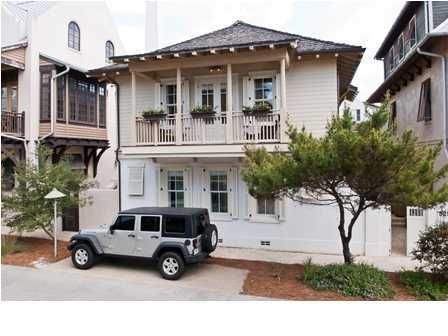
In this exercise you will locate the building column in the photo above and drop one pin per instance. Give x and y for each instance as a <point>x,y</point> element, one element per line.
<point>134,107</point>
<point>283,108</point>
<point>178,107</point>
<point>229,101</point>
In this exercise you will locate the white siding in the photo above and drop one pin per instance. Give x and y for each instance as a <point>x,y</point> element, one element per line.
<point>311,94</point>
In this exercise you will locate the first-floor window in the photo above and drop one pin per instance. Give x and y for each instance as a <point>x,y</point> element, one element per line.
<point>424,106</point>
<point>218,191</point>
<point>266,206</point>
<point>176,189</point>
<point>358,115</point>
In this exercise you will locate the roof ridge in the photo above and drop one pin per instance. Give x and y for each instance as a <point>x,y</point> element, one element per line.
<point>327,41</point>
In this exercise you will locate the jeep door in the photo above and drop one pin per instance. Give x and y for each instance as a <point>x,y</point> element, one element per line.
<point>122,236</point>
<point>148,235</point>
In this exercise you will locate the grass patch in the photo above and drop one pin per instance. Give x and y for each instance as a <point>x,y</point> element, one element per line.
<point>350,280</point>
<point>10,245</point>
<point>423,287</point>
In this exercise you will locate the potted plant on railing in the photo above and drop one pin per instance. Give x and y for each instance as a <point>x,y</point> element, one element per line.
<point>153,114</point>
<point>258,108</point>
<point>202,111</point>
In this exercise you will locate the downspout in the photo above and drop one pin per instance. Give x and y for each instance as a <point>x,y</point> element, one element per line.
<point>444,95</point>
<point>52,119</point>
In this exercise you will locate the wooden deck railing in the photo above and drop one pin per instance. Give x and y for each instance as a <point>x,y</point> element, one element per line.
<point>13,123</point>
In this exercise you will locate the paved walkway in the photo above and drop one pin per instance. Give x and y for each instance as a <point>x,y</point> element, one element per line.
<point>390,264</point>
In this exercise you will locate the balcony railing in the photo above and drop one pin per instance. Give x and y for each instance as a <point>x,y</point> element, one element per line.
<point>13,123</point>
<point>263,128</point>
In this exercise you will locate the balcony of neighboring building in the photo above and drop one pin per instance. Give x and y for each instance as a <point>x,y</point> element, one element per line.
<point>12,120</point>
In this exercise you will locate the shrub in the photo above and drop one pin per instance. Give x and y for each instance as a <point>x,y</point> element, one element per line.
<point>423,287</point>
<point>258,108</point>
<point>203,109</point>
<point>348,279</point>
<point>10,245</point>
<point>432,249</point>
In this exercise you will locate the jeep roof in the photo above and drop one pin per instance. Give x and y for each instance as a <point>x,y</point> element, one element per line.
<point>163,211</point>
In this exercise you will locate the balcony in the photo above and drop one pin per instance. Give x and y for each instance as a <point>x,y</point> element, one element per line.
<point>241,129</point>
<point>13,123</point>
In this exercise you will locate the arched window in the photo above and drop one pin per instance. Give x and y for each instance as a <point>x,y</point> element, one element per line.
<point>74,36</point>
<point>110,51</point>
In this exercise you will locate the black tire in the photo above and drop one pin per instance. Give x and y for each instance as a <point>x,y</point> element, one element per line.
<point>209,244</point>
<point>91,256</point>
<point>165,272</point>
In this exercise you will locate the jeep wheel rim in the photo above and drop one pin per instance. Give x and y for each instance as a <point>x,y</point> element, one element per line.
<point>170,266</point>
<point>81,256</point>
<point>214,238</point>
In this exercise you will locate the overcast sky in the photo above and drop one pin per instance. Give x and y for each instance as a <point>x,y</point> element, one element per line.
<point>355,22</point>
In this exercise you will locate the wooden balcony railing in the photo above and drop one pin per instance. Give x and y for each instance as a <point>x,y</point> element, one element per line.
<point>13,123</point>
<point>263,128</point>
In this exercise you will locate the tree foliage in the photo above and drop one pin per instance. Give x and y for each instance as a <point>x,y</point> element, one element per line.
<point>26,209</point>
<point>354,166</point>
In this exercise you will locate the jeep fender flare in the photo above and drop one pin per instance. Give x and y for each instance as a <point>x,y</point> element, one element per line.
<point>171,246</point>
<point>91,239</point>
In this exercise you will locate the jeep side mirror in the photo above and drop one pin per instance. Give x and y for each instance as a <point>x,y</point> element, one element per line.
<point>111,229</point>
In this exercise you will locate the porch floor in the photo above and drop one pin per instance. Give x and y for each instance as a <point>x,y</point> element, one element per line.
<point>389,263</point>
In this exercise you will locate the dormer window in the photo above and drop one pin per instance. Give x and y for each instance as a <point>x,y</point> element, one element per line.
<point>110,51</point>
<point>74,36</point>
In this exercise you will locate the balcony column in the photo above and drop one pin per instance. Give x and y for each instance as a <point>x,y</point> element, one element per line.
<point>283,109</point>
<point>229,115</point>
<point>134,107</point>
<point>178,107</point>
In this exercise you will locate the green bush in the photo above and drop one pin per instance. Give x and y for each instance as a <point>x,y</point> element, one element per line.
<point>423,287</point>
<point>348,279</point>
<point>432,249</point>
<point>10,245</point>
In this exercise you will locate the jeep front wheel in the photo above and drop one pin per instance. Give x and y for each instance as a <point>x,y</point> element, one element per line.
<point>82,256</point>
<point>171,265</point>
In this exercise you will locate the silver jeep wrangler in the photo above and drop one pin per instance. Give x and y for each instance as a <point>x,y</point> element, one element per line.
<point>171,236</point>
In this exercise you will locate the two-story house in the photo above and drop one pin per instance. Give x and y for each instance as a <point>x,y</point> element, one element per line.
<point>186,112</point>
<point>414,54</point>
<point>47,98</point>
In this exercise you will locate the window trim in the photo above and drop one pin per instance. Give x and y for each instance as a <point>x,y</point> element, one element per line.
<point>227,191</point>
<point>140,180</point>
<point>72,45</point>
<point>176,191</point>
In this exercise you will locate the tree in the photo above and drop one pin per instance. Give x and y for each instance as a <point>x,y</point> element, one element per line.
<point>26,209</point>
<point>355,166</point>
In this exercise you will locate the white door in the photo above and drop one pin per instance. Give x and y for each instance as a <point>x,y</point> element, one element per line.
<point>122,236</point>
<point>148,235</point>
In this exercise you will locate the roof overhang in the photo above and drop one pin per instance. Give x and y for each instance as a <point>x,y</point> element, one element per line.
<point>61,63</point>
<point>56,142</point>
<point>10,64</point>
<point>410,67</point>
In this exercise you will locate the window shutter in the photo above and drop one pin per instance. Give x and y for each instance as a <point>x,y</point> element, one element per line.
<point>187,187</point>
<point>157,101</point>
<point>248,91</point>
<point>277,97</point>
<point>233,193</point>
<point>135,181</point>
<point>280,209</point>
<point>162,96</point>
<point>186,96</point>
<point>205,201</point>
<point>163,186</point>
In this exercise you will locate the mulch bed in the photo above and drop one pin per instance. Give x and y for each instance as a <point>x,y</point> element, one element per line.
<point>35,249</point>
<point>281,281</point>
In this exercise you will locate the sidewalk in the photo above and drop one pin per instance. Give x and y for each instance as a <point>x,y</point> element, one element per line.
<point>389,264</point>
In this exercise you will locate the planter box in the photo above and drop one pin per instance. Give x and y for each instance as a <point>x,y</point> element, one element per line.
<point>155,117</point>
<point>203,114</point>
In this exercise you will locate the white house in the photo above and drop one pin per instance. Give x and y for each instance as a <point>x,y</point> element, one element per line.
<point>47,98</point>
<point>183,124</point>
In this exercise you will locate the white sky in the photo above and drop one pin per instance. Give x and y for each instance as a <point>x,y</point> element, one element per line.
<point>355,22</point>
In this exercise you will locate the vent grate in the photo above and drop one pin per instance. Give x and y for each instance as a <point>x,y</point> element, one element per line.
<point>220,241</point>
<point>265,243</point>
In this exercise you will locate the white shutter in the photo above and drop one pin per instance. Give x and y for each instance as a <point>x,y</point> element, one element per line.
<point>157,102</point>
<point>135,181</point>
<point>197,91</point>
<point>163,186</point>
<point>162,97</point>
<point>186,96</point>
<point>187,187</point>
<point>233,192</point>
<point>205,192</point>
<point>235,94</point>
<point>248,91</point>
<point>280,209</point>
<point>277,97</point>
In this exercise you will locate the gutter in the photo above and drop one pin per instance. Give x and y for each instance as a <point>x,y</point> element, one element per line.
<point>18,139</point>
<point>444,95</point>
<point>52,119</point>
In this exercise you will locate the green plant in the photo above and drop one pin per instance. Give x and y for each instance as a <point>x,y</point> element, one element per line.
<point>153,113</point>
<point>10,245</point>
<point>348,279</point>
<point>423,287</point>
<point>353,166</point>
<point>202,109</point>
<point>26,208</point>
<point>258,108</point>
<point>432,249</point>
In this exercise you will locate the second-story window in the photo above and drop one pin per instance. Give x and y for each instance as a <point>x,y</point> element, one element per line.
<point>74,36</point>
<point>424,106</point>
<point>61,98</point>
<point>264,90</point>
<point>82,101</point>
<point>171,99</point>
<point>45,96</point>
<point>110,51</point>
<point>207,95</point>
<point>102,105</point>
<point>412,33</point>
<point>223,97</point>
<point>401,46</point>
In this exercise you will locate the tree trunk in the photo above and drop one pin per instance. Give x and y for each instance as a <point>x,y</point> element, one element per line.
<point>348,259</point>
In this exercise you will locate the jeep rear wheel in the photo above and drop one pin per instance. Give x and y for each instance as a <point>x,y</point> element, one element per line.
<point>82,256</point>
<point>171,266</point>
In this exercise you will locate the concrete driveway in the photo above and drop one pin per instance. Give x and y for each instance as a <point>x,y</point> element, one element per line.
<point>120,280</point>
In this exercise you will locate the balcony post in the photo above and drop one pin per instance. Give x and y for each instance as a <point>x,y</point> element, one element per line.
<point>229,112</point>
<point>134,107</point>
<point>178,107</point>
<point>283,109</point>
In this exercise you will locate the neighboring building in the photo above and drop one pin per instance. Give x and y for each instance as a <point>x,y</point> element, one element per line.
<point>184,158</point>
<point>47,98</point>
<point>415,53</point>
<point>357,108</point>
